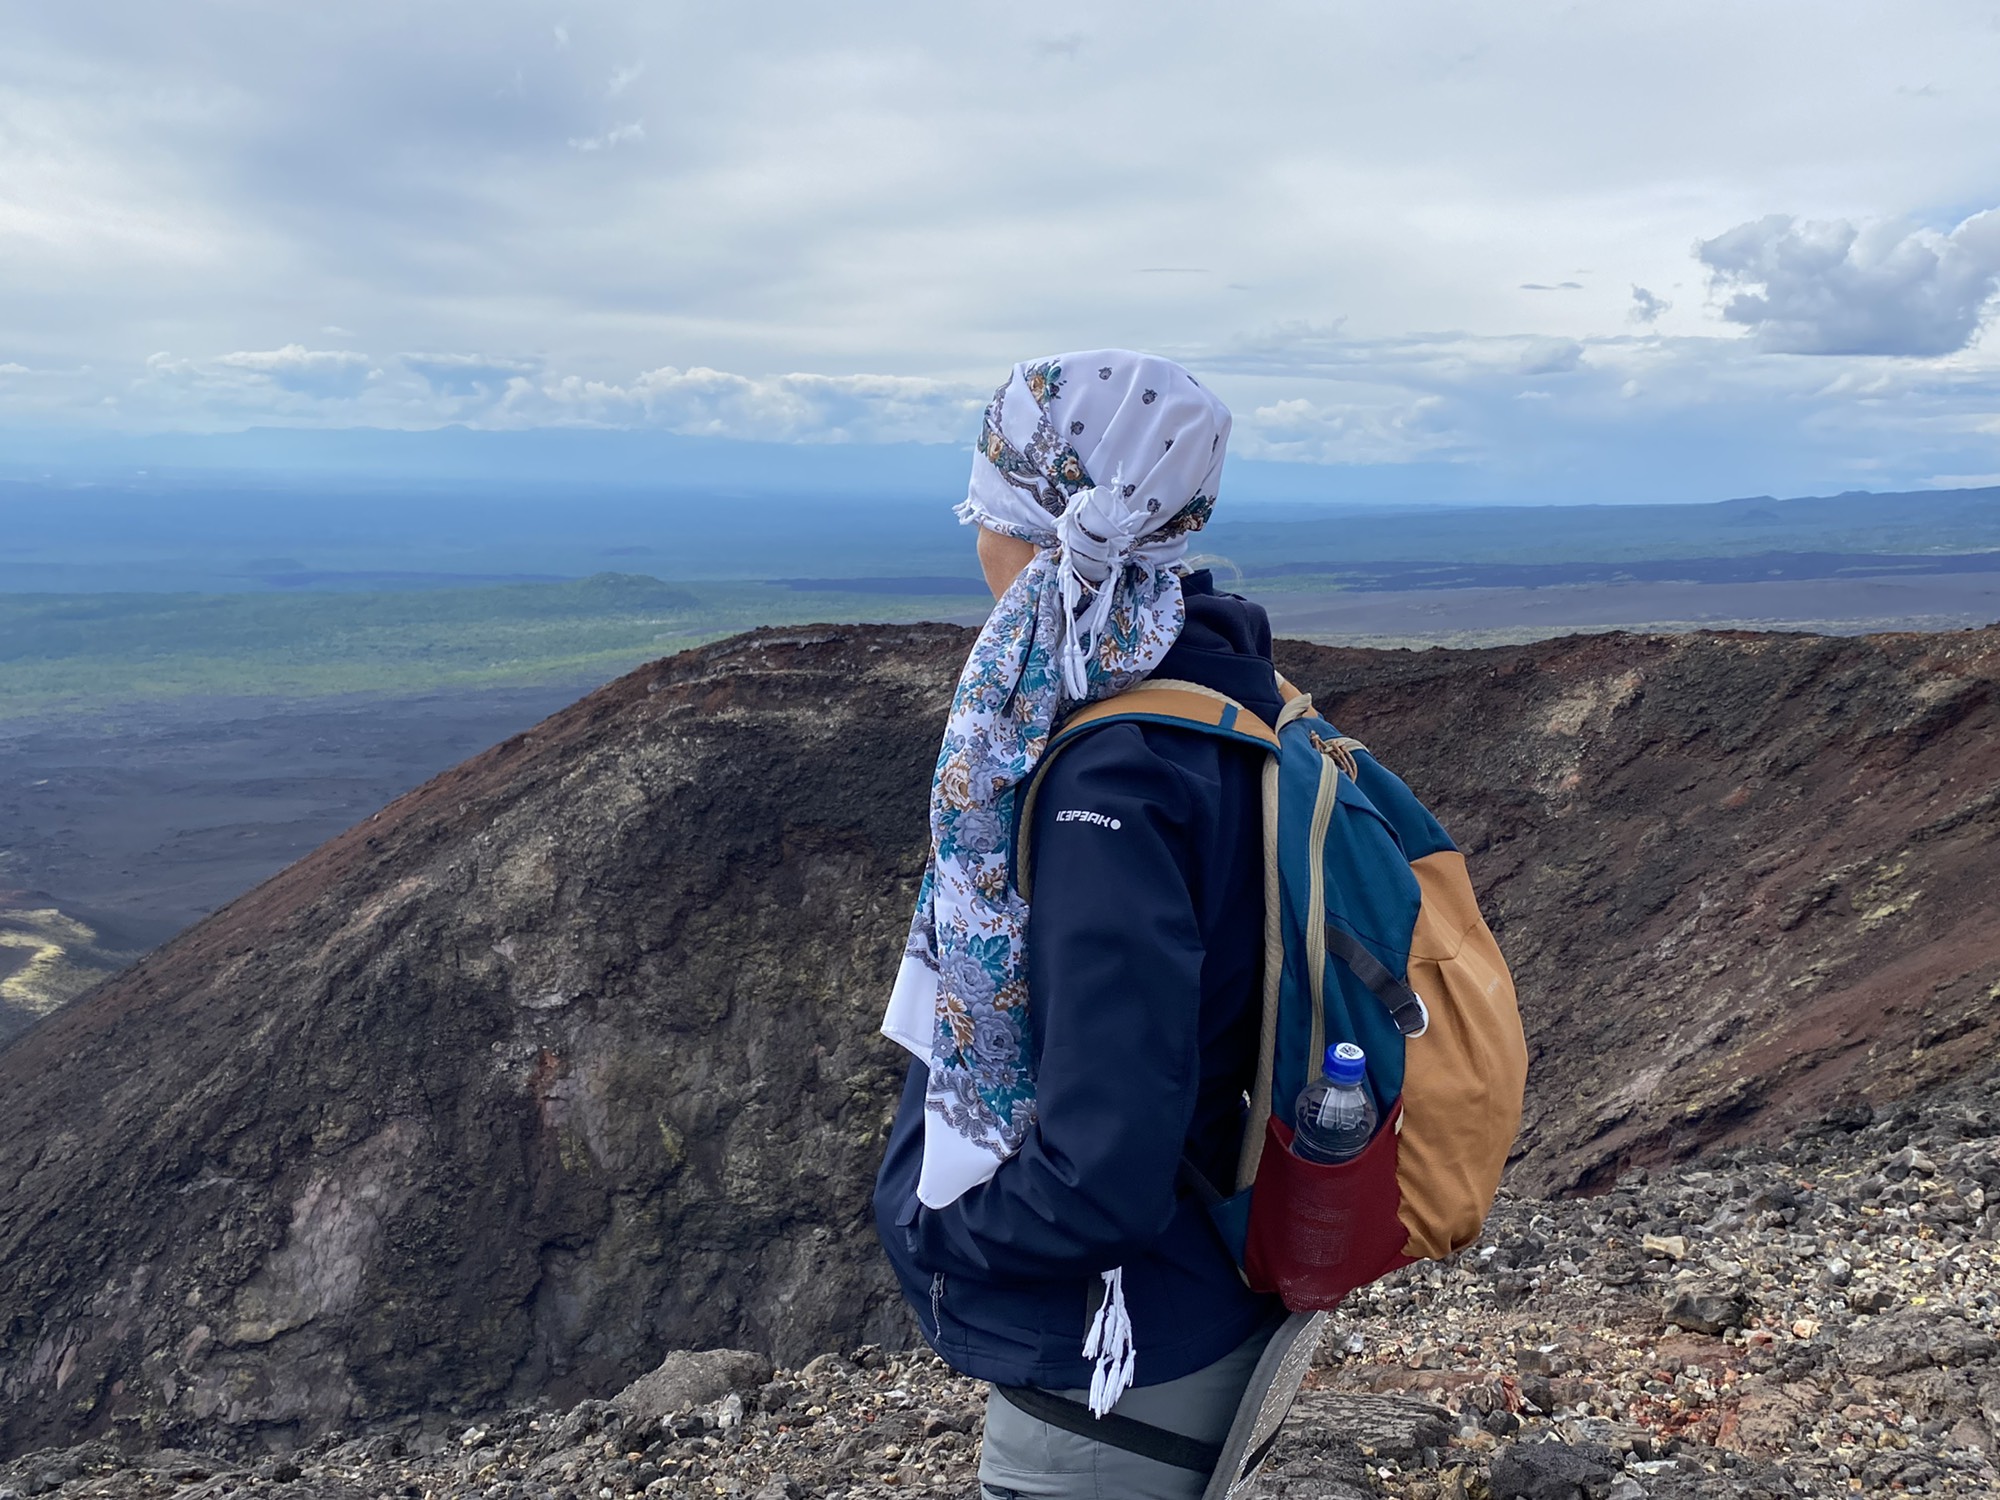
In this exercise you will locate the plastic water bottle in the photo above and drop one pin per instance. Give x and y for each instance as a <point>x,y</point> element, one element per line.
<point>1335,1118</point>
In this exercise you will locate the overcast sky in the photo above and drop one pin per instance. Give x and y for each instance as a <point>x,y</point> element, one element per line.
<point>1718,246</point>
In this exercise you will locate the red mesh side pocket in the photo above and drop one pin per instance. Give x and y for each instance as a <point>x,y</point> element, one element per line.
<point>1316,1231</point>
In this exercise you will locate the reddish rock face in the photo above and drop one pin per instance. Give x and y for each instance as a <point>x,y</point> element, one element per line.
<point>569,1058</point>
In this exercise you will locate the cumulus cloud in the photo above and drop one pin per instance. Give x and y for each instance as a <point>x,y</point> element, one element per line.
<point>420,390</point>
<point>1551,357</point>
<point>466,374</point>
<point>1833,287</point>
<point>776,408</point>
<point>1446,416</point>
<point>1333,431</point>
<point>309,372</point>
<point>10,368</point>
<point>1629,417</point>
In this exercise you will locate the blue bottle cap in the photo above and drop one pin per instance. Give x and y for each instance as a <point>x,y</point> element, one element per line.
<point>1346,1063</point>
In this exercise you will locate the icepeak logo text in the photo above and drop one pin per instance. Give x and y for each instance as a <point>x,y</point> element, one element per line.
<point>1078,815</point>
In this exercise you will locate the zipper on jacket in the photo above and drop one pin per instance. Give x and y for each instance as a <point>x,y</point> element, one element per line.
<point>937,1305</point>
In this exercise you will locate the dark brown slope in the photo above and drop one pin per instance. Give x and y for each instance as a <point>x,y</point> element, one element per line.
<point>563,1060</point>
<point>568,1058</point>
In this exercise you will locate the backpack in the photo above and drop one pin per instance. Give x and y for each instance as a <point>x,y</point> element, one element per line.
<point>1371,935</point>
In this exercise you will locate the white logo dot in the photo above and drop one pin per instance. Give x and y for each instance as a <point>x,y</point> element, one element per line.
<point>1114,824</point>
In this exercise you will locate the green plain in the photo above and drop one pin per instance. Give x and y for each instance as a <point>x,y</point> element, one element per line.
<point>87,652</point>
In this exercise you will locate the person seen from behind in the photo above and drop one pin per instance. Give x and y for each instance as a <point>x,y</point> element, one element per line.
<point>1068,1053</point>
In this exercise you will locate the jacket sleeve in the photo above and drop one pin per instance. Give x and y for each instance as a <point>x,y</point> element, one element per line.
<point>1114,972</point>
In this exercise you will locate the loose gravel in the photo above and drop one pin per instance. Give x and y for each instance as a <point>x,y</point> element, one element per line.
<point>1816,1319</point>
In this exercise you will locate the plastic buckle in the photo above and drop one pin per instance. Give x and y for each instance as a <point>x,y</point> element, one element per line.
<point>1423,1015</point>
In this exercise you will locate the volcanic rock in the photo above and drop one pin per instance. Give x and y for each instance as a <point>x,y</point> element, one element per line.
<point>686,1379</point>
<point>1705,1309</point>
<point>568,1059</point>
<point>1552,1471</point>
<point>1385,1426</point>
<point>1912,1340</point>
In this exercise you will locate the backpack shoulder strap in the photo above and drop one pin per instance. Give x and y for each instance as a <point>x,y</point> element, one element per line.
<point>1163,700</point>
<point>1154,701</point>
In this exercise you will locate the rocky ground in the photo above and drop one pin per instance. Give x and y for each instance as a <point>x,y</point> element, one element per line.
<point>1813,1319</point>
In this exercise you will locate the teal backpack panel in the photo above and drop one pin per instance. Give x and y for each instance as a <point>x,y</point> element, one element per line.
<point>1367,889</point>
<point>1419,833</point>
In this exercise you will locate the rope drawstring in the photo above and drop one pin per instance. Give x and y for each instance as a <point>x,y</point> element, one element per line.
<point>1109,1342</point>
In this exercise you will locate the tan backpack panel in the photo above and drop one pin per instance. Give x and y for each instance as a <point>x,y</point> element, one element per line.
<point>1463,1078</point>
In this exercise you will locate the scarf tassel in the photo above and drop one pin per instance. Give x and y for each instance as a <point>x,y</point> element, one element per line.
<point>1109,1342</point>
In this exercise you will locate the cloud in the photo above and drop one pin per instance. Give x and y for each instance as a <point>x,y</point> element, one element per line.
<point>1832,287</point>
<point>624,78</point>
<point>618,136</point>
<point>466,374</point>
<point>1299,430</point>
<point>309,372</point>
<point>10,368</point>
<point>1444,416</point>
<point>1630,417</point>
<point>1551,357</point>
<point>421,390</point>
<point>1561,286</point>
<point>1646,308</point>
<point>777,408</point>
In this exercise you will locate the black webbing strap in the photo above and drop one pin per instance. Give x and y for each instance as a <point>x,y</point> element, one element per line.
<point>1191,1180</point>
<point>1254,1459</point>
<point>1404,1006</point>
<point>1128,1433</point>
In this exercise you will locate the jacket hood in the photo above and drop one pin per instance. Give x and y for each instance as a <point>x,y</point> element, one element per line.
<point>1226,646</point>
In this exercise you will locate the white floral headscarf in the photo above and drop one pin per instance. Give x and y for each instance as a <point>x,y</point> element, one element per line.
<point>1106,461</point>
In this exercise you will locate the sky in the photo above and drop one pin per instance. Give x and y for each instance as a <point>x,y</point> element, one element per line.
<point>1593,250</point>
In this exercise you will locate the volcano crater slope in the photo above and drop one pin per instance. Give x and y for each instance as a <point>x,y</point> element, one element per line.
<point>568,1058</point>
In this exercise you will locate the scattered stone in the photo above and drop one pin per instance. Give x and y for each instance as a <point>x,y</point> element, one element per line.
<point>1552,1471</point>
<point>687,1379</point>
<point>1705,1309</point>
<point>1383,1426</point>
<point>1906,1161</point>
<point>1665,1246</point>
<point>1912,1340</point>
<point>1860,1353</point>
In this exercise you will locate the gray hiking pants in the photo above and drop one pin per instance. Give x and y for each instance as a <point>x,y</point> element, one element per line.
<point>1024,1458</point>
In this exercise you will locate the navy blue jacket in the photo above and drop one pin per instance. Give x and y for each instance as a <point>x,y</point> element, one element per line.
<point>1144,960</point>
